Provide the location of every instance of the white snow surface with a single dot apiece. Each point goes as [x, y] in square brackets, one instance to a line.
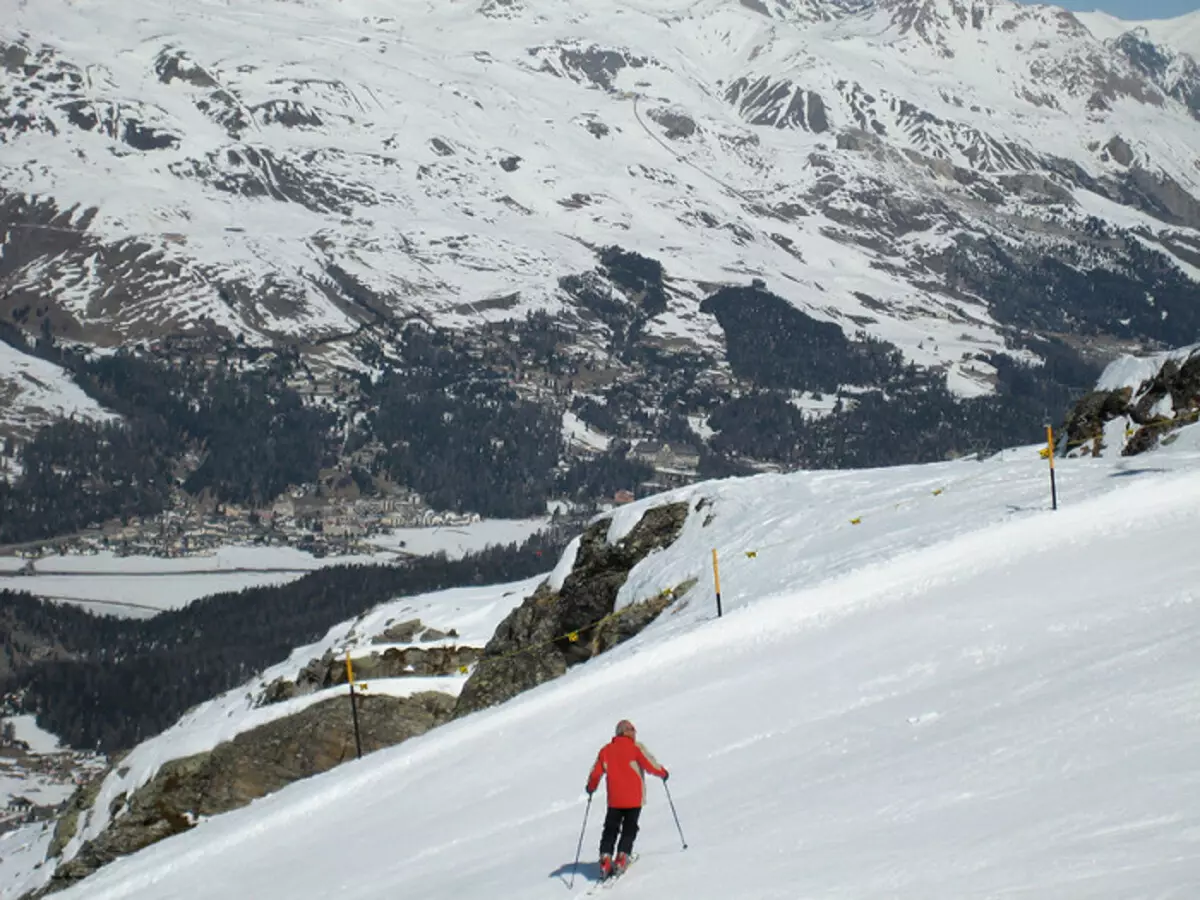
[36, 788]
[473, 612]
[1132, 371]
[456, 541]
[962, 695]
[25, 728]
[1181, 33]
[575, 431]
[22, 851]
[141, 586]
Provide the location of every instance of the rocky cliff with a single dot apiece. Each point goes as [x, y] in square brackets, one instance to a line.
[554, 630]
[1161, 399]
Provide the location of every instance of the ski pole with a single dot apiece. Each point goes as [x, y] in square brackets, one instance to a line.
[579, 849]
[682, 839]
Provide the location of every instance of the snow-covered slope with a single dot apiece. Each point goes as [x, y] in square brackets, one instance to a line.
[1133, 371]
[1181, 33]
[34, 391]
[295, 169]
[471, 613]
[926, 684]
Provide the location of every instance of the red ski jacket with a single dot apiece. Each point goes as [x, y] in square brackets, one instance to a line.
[624, 761]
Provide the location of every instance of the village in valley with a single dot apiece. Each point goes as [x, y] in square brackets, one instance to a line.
[353, 501]
[37, 775]
[303, 518]
[332, 517]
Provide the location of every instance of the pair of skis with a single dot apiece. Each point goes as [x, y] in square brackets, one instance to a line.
[607, 883]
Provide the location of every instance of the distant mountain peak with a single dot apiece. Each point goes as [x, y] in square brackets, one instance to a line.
[810, 10]
[329, 171]
[956, 25]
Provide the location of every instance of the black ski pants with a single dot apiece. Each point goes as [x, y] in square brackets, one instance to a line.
[624, 822]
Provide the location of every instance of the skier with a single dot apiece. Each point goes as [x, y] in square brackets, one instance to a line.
[623, 761]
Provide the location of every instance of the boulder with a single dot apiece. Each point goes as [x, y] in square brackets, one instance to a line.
[403, 633]
[1085, 423]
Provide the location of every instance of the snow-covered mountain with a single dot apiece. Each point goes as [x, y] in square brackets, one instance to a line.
[1181, 34]
[293, 170]
[924, 682]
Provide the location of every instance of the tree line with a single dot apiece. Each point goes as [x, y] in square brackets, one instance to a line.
[103, 683]
[249, 436]
[453, 416]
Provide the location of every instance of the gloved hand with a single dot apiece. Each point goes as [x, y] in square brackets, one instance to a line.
[590, 790]
[666, 774]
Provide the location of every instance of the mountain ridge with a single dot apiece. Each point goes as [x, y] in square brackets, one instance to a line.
[257, 175]
[981, 200]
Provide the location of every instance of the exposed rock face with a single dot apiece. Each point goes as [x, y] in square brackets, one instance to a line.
[676, 125]
[1119, 150]
[778, 103]
[81, 801]
[394, 662]
[252, 765]
[408, 631]
[1176, 385]
[528, 647]
[1085, 424]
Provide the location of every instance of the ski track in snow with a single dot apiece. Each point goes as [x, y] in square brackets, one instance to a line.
[963, 695]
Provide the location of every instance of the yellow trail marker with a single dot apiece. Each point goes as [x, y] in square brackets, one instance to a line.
[353, 703]
[1050, 456]
[717, 581]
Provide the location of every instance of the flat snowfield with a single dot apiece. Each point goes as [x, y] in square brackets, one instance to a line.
[962, 695]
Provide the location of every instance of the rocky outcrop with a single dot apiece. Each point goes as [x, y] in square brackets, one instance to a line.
[554, 630]
[1085, 423]
[81, 801]
[1159, 406]
[395, 662]
[408, 631]
[252, 765]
